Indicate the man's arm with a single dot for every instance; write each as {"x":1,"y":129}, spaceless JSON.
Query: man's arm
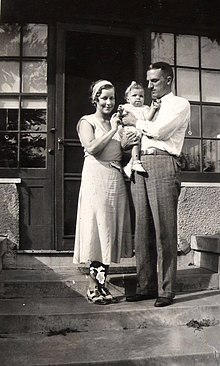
{"x":167,"y":122}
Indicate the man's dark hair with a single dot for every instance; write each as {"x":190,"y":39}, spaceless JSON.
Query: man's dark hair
{"x":164,"y":66}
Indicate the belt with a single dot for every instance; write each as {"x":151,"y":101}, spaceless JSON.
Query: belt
{"x":154,"y":151}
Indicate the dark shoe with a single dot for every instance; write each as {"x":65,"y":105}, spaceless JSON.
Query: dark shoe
{"x":184,"y":251}
{"x":140,"y":297}
{"x":163,"y":301}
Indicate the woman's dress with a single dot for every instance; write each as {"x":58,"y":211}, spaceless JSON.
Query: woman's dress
{"x":103,"y":228}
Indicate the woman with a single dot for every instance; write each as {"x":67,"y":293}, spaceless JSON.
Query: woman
{"x":103,"y":230}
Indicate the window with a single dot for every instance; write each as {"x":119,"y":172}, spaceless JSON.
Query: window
{"x":23,"y":96}
{"x":196,"y":64}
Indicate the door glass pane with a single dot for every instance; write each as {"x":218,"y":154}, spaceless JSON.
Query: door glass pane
{"x":9,"y":77}
{"x":9,"y":114}
{"x":162,"y":47}
{"x":211,"y":121}
{"x":9,"y":40}
{"x":211,"y":156}
{"x":34,"y":115}
{"x":35,"y":40}
{"x":194,"y":124}
{"x":210,"y":86}
{"x":34,"y":76}
{"x":190,"y":157}
{"x":8,"y":150}
{"x":187,"y":50}
{"x":188,"y":84}
{"x":8,"y":119}
{"x":210,"y":53}
{"x":33,"y":150}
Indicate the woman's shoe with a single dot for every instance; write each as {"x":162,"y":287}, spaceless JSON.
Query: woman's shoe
{"x":95,"y":297}
{"x":107,"y":295}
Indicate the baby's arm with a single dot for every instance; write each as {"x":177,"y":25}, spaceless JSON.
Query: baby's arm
{"x":155,"y":105}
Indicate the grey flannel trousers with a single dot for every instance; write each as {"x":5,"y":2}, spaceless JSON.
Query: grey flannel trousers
{"x":155,"y":197}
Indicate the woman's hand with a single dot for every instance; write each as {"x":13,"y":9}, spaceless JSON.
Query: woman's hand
{"x":115,"y":121}
{"x":129,"y":119}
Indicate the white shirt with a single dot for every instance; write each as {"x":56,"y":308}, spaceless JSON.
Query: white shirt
{"x":167,"y":131}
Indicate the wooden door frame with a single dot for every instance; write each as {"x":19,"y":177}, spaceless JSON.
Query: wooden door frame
{"x":60,"y":102}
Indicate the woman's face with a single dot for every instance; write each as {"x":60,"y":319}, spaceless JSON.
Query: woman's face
{"x":106,"y":101}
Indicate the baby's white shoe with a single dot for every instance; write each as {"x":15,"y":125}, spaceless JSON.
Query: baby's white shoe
{"x":137,"y":166}
{"x":127,"y":169}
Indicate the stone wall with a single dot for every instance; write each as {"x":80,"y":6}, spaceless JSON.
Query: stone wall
{"x":199,"y":211}
{"x":9,"y":212}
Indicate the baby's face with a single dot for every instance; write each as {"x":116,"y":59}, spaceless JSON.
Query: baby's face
{"x":136,"y":97}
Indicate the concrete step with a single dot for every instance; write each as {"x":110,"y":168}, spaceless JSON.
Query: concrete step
{"x":49,"y":315}
{"x":72,"y":283}
{"x":152,"y":346}
{"x":52,"y":259}
{"x":206,"y":249}
{"x":69,"y":283}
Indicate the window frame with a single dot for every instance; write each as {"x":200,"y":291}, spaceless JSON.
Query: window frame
{"x":21,"y":95}
{"x":190,"y":176}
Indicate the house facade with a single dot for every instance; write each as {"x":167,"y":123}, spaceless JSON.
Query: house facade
{"x":50,"y":52}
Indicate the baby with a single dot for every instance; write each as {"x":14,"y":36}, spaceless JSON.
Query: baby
{"x":134,"y":95}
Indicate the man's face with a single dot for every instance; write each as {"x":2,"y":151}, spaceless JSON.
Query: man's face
{"x":159,"y":84}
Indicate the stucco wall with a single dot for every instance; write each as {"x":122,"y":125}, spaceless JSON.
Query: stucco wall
{"x":9,"y":211}
{"x":198,"y":212}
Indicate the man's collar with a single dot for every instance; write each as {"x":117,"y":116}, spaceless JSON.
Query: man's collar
{"x":167,"y":96}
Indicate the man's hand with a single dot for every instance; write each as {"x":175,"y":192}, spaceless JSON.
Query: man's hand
{"x":128,"y":140}
{"x":129,"y":119}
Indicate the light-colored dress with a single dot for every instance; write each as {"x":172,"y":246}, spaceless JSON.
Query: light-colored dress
{"x":103,"y":228}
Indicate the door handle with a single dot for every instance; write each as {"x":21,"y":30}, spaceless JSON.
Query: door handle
{"x":60,"y":143}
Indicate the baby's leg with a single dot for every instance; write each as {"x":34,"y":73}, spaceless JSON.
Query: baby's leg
{"x":135,"y":152}
{"x":136,"y":163}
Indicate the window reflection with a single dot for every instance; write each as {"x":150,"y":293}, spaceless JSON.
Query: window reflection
{"x":8,"y":150}
{"x":194,"y":124}
{"x":9,"y":76}
{"x":211,"y":121}
{"x":211,"y":156}
{"x":9,"y":114}
{"x":210,"y":86}
{"x":162,"y":47}
{"x":188,"y":84}
{"x":9,"y":39}
{"x":191,"y":156}
{"x":34,"y":76}
{"x":33,"y":150}
{"x":187,"y":50}
{"x":35,"y":40}
{"x":210,"y":53}
{"x":8,"y":119}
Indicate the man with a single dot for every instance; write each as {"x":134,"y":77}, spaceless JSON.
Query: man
{"x":155,"y":193}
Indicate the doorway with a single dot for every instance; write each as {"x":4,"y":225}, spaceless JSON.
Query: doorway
{"x":86,"y":56}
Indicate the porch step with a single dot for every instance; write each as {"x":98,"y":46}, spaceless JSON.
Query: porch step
{"x":37,"y":329}
{"x":72,"y":283}
{"x":206,"y":251}
{"x":169,"y":346}
{"x":52,"y":259}
{"x":71,"y":315}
